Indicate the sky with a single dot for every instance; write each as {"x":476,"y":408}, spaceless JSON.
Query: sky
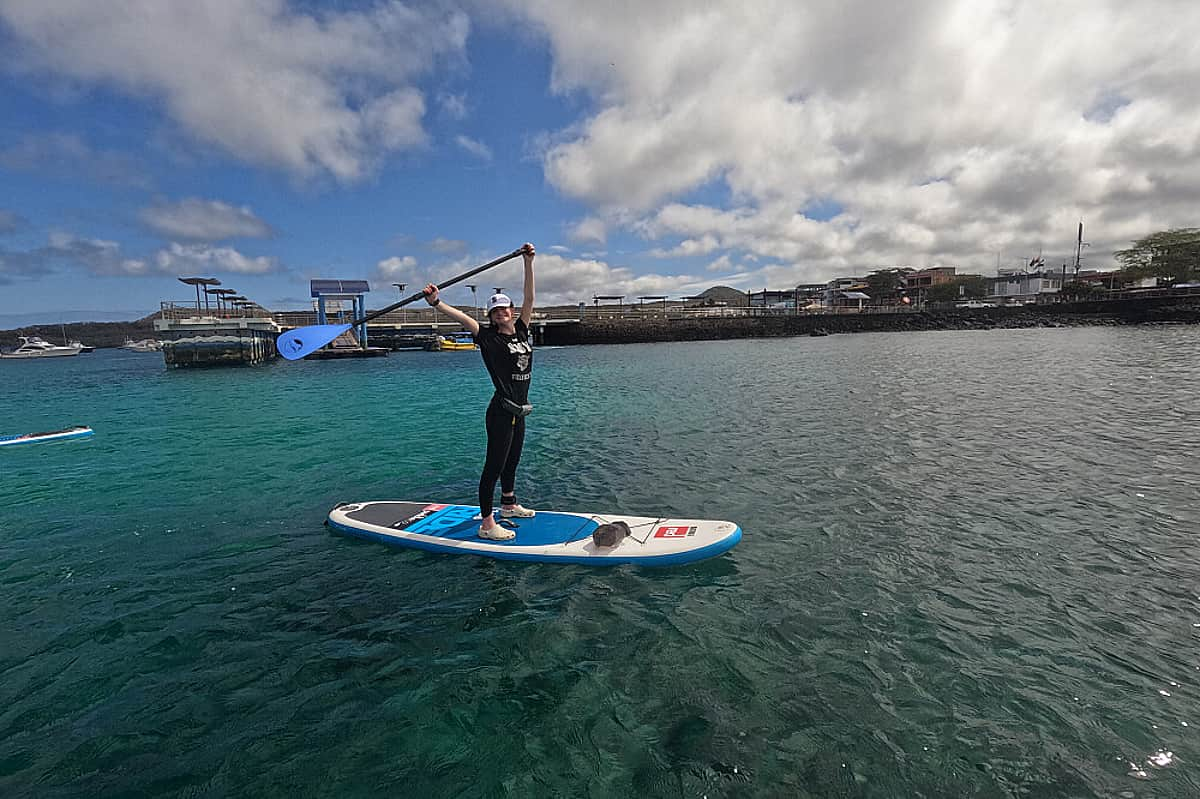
{"x":645,"y":147}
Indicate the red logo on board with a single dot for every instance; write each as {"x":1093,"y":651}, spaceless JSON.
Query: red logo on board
{"x":674,"y":532}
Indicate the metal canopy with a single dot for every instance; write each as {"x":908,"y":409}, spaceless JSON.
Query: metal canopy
{"x":319,"y":288}
{"x":198,"y":282}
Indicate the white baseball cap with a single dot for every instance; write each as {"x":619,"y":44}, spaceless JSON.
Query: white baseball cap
{"x":499,"y":301}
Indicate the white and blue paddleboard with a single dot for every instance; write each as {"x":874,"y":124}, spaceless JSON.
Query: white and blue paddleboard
{"x":78,"y":431}
{"x":549,"y":537}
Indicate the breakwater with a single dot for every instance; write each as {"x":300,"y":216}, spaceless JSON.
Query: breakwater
{"x":1158,"y":310}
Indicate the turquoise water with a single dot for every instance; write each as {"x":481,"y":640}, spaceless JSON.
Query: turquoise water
{"x":970,"y":568}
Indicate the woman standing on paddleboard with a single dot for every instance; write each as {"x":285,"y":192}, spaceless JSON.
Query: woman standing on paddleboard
{"x":507,"y":351}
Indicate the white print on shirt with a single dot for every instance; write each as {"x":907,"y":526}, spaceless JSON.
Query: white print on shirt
{"x":521,"y":349}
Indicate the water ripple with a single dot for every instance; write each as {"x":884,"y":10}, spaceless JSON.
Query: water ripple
{"x":969,"y":569}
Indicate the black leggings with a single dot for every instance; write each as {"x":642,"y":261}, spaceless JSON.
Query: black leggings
{"x":505,"y":438}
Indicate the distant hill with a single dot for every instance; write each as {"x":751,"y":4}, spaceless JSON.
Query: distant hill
{"x":92,"y":334}
{"x":723,"y":294}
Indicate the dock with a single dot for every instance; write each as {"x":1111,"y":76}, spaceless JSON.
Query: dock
{"x":230,"y":330}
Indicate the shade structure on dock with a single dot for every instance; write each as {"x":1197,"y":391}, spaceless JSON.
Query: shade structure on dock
{"x":198,"y":282}
{"x":221,"y":295}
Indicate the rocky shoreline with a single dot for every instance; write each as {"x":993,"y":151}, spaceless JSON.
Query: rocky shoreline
{"x":1166,"y":310}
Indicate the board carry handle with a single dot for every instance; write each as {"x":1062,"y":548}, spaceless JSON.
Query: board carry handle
{"x":295,"y":344}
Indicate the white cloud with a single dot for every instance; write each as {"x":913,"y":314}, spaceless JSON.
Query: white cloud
{"x":475,"y":148}
{"x":396,"y":267}
{"x":453,"y":105}
{"x":106,"y":258}
{"x":327,"y":93}
{"x":589,"y":230}
{"x":183,"y":259}
{"x":68,"y":155}
{"x":447,"y":246}
{"x":203,"y":220}
{"x":939,"y":131}
{"x":98,"y":256}
{"x":561,"y":280}
{"x":689,"y":247}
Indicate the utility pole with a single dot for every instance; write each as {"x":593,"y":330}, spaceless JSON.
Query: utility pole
{"x":1078,"y":248}
{"x":403,"y":313}
{"x":474,"y":304}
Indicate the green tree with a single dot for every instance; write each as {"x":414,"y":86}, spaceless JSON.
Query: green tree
{"x":962,"y":288}
{"x":884,"y":285}
{"x":1171,"y":254}
{"x":1081,"y":290}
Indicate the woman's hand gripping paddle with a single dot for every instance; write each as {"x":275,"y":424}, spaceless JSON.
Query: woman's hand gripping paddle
{"x":295,"y":344}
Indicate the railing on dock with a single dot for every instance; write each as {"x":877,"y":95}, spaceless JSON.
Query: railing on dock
{"x":178,"y":311}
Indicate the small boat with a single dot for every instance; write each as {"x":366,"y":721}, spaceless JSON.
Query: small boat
{"x":454,"y":342}
{"x":82,"y":347}
{"x":37,"y":347}
{"x":75,"y":431}
{"x":145,"y":345}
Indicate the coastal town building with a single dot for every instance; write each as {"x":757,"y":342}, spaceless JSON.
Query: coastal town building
{"x":933,"y":276}
{"x":802,"y":296}
{"x":1017,"y":287}
{"x":837,"y":291}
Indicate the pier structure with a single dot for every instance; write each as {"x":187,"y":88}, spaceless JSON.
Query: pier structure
{"x":325,"y":291}
{"x":207,"y":334}
{"x":352,"y":343}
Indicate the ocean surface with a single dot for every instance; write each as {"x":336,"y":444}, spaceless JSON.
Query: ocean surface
{"x":971,"y":568}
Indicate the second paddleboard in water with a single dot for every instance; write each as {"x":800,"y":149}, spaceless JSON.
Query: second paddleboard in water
{"x":78,"y":431}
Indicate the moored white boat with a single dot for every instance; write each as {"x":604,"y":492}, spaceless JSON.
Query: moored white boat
{"x":37,"y":347}
{"x":145,"y":345}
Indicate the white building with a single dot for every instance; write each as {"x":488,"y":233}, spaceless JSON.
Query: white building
{"x":1018,"y":288}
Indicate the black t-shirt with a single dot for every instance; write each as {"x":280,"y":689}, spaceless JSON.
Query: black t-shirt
{"x":509,"y":360}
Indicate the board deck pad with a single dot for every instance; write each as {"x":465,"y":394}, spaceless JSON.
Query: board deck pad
{"x":547,"y":537}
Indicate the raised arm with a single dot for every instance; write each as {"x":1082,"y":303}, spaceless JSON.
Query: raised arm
{"x":431,"y":297}
{"x":527,"y":304}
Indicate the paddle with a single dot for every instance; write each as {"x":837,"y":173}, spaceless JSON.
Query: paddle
{"x":295,"y":344}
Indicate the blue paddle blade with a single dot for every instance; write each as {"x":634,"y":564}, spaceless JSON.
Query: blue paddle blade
{"x":295,"y":344}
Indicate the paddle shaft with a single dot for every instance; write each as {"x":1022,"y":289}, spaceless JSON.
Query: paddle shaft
{"x":440,"y":286}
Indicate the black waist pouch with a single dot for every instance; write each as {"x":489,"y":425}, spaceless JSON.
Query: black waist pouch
{"x":519,"y":411}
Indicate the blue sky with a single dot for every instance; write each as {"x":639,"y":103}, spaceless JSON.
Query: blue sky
{"x":645,"y":148}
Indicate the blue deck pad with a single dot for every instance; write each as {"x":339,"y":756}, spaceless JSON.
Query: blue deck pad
{"x":460,"y":522}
